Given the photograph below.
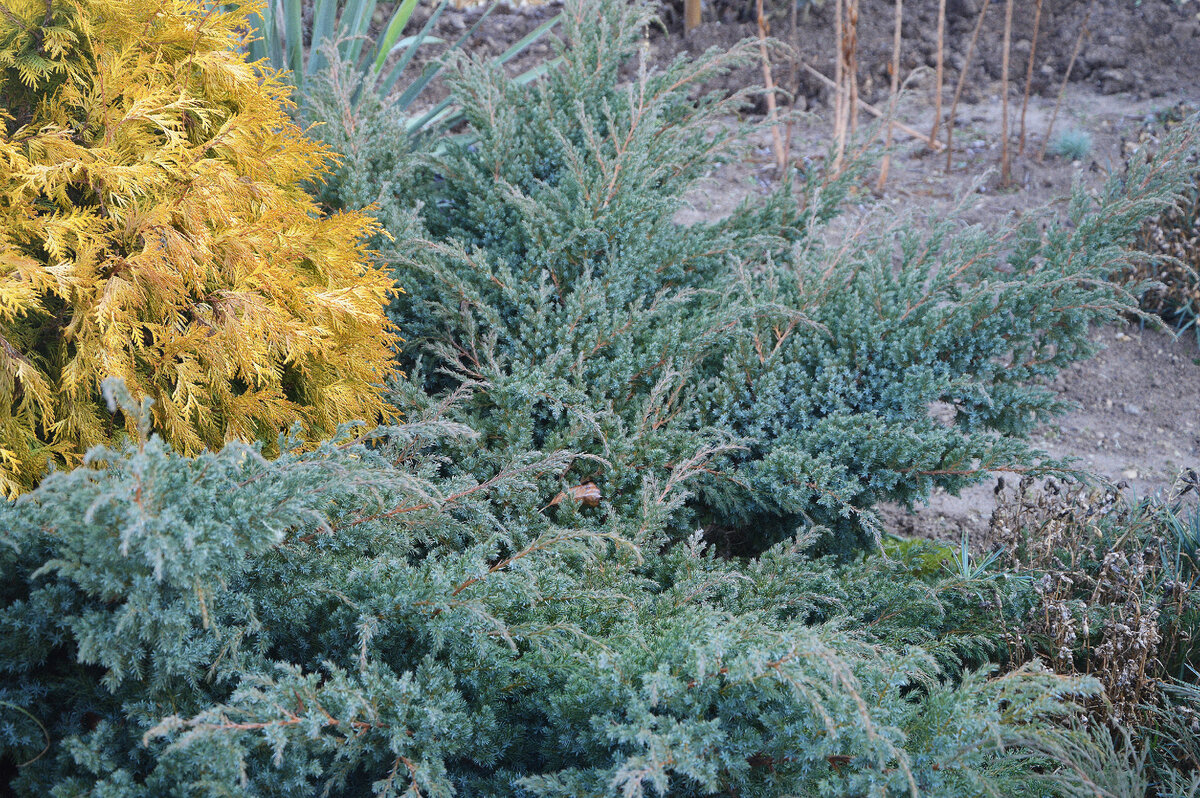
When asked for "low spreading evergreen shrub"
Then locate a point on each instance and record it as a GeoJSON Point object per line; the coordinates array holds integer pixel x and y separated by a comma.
{"type": "Point", "coordinates": [554, 286]}
{"type": "Point", "coordinates": [347, 621]}
{"type": "Point", "coordinates": [525, 588]}
{"type": "Point", "coordinates": [154, 226]}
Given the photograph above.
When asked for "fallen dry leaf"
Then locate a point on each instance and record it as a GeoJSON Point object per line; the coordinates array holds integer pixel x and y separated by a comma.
{"type": "Point", "coordinates": [587, 493]}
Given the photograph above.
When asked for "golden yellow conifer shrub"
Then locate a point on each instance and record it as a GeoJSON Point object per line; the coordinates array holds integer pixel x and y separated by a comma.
{"type": "Point", "coordinates": [154, 227]}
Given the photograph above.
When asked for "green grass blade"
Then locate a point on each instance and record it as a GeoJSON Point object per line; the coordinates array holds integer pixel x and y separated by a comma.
{"type": "Point", "coordinates": [258, 37]}
{"type": "Point", "coordinates": [404, 61]}
{"type": "Point", "coordinates": [324, 19]}
{"type": "Point", "coordinates": [532, 74]}
{"type": "Point", "coordinates": [430, 72]}
{"type": "Point", "coordinates": [356, 20]}
{"type": "Point", "coordinates": [294, 40]}
{"type": "Point", "coordinates": [440, 113]}
{"type": "Point", "coordinates": [273, 35]}
{"type": "Point", "coordinates": [392, 33]}
{"type": "Point", "coordinates": [528, 39]}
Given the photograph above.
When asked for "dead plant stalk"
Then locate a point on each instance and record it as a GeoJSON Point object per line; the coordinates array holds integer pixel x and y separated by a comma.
{"type": "Point", "coordinates": [839, 99]}
{"type": "Point", "coordinates": [891, 117]}
{"type": "Point", "coordinates": [870, 109]}
{"type": "Point", "coordinates": [1005, 164]}
{"type": "Point", "coordinates": [851, 71]}
{"type": "Point", "coordinates": [940, 77]}
{"type": "Point", "coordinates": [1062, 90]}
{"type": "Point", "coordinates": [691, 15]}
{"type": "Point", "coordinates": [781, 154]}
{"type": "Point", "coordinates": [962, 80]}
{"type": "Point", "coordinates": [1037, 23]}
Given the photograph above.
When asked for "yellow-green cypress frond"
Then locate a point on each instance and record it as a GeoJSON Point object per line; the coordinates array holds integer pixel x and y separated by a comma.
{"type": "Point", "coordinates": [154, 227]}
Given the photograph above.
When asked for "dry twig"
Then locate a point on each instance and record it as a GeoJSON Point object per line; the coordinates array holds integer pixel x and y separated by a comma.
{"type": "Point", "coordinates": [887, 156]}
{"type": "Point", "coordinates": [850, 52]}
{"type": "Point", "coordinates": [1083, 32]}
{"type": "Point", "coordinates": [1005, 165]}
{"type": "Point", "coordinates": [1037, 23]}
{"type": "Point", "coordinates": [870, 109]}
{"type": "Point", "coordinates": [937, 84]}
{"type": "Point", "coordinates": [781, 153]}
{"type": "Point", "coordinates": [839, 100]}
{"type": "Point", "coordinates": [962, 79]}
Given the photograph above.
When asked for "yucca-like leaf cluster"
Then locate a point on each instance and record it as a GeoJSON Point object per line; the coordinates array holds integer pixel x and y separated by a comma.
{"type": "Point", "coordinates": [336, 35]}
{"type": "Point", "coordinates": [556, 285]}
{"type": "Point", "coordinates": [154, 227]}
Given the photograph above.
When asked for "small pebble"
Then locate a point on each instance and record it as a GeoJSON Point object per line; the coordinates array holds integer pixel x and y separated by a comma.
{"type": "Point", "coordinates": [1132, 409]}
{"type": "Point", "coordinates": [1129, 473]}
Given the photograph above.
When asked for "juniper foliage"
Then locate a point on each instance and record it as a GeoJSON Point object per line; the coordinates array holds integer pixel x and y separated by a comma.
{"type": "Point", "coordinates": [556, 285]}
{"type": "Point", "coordinates": [347, 621]}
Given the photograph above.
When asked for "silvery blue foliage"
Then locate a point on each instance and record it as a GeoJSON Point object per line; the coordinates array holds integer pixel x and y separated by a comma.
{"type": "Point", "coordinates": [347, 621]}
{"type": "Point", "coordinates": [554, 284]}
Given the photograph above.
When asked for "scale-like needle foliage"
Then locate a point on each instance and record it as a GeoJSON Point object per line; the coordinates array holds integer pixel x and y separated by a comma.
{"type": "Point", "coordinates": [561, 288]}
{"type": "Point", "coordinates": [348, 622]}
{"type": "Point", "coordinates": [154, 226]}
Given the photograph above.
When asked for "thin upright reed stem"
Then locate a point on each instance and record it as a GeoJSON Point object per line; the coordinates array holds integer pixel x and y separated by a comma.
{"type": "Point", "coordinates": [769, 84]}
{"type": "Point", "coordinates": [1005, 164]}
{"type": "Point", "coordinates": [939, 79]}
{"type": "Point", "coordinates": [891, 126]}
{"type": "Point", "coordinates": [962, 80]}
{"type": "Point", "coordinates": [1037, 23]}
{"type": "Point", "coordinates": [1062, 90]}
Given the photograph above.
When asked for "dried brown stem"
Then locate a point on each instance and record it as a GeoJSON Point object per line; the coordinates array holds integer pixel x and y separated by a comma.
{"type": "Point", "coordinates": [870, 109]}
{"type": "Point", "coordinates": [839, 114]}
{"type": "Point", "coordinates": [962, 80]}
{"type": "Point", "coordinates": [851, 71]}
{"type": "Point", "coordinates": [937, 83]}
{"type": "Point", "coordinates": [1037, 23]}
{"type": "Point", "coordinates": [1005, 165]}
{"type": "Point", "coordinates": [891, 126]}
{"type": "Point", "coordinates": [1083, 31]}
{"type": "Point", "coordinates": [781, 155]}
{"type": "Point", "coordinates": [691, 15]}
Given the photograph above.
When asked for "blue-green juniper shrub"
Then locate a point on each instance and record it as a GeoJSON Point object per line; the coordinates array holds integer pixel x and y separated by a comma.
{"type": "Point", "coordinates": [348, 621]}
{"type": "Point", "coordinates": [553, 283]}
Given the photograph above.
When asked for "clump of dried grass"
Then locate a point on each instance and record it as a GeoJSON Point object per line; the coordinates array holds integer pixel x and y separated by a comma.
{"type": "Point", "coordinates": [1114, 587]}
